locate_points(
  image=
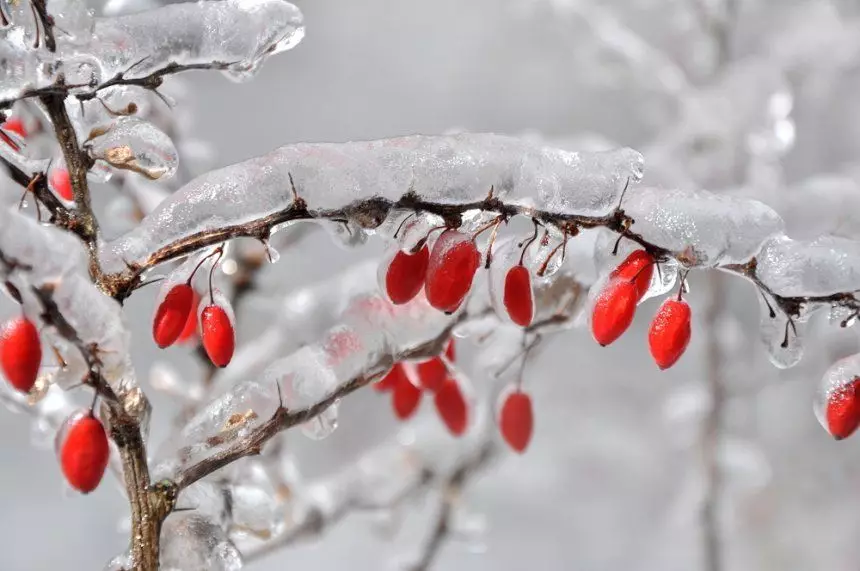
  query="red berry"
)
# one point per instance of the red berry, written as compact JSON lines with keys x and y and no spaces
{"x":451,"y":406}
{"x":20,"y":353}
{"x":450,"y":351}
{"x":432,"y":373}
{"x":15,"y":125}
{"x":61,"y":183}
{"x":190,"y":329}
{"x":405,"y":398}
{"x":172,"y":315}
{"x":613,"y":311}
{"x":390,"y":380}
{"x":638,"y":266}
{"x":451,"y":269}
{"x":405,"y":275}
{"x":516,"y":420}
{"x":843,"y":410}
{"x":218,"y":337}
{"x":518,"y":298}
{"x":670,"y":332}
{"x":84,"y":452}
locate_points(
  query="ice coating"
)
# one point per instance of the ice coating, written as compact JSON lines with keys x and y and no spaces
{"x":372,"y":334}
{"x":823,"y":266}
{"x":446,"y":169}
{"x":701,"y":228}
{"x":192,"y":541}
{"x":136,"y":145}
{"x":48,"y":252}
{"x":237,"y":33}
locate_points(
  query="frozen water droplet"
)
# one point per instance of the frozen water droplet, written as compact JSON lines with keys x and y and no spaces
{"x":506,"y":254}
{"x":137,"y":145}
{"x":120,"y":563}
{"x":544,"y":257}
{"x":782,"y":337}
{"x":663,"y":279}
{"x":272,"y":254}
{"x":322,"y":425}
{"x":416,"y":229}
{"x":345,"y":233}
{"x":842,"y":316}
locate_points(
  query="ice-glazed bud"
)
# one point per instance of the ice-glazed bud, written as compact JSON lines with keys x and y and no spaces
{"x":516,"y":420}
{"x":405,"y":273}
{"x":518,"y":297}
{"x":452,"y":266}
{"x":136,"y":145}
{"x":20,"y":353}
{"x":452,"y":407}
{"x":837,"y":399}
{"x":61,"y":183}
{"x":82,"y":447}
{"x":219,"y":338}
{"x":172,"y":315}
{"x":613,"y":311}
{"x":639,"y":267}
{"x":669,"y":333}
{"x":405,"y":398}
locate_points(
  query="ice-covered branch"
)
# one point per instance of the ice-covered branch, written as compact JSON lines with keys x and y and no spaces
{"x":232,"y":36}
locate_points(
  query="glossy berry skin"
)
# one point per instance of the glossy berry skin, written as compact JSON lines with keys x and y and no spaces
{"x":613,"y":311}
{"x":219,"y":340}
{"x":84,"y":452}
{"x":405,"y":275}
{"x":518,"y":297}
{"x":843,"y":410}
{"x":638,"y":266}
{"x":390,"y":380}
{"x":405,"y":398}
{"x":451,"y":406}
{"x":190,"y":329}
{"x":20,"y":353}
{"x":670,"y":332}
{"x":15,"y":125}
{"x":61,"y":183}
{"x":516,"y":420}
{"x":450,"y":271}
{"x":172,"y":315}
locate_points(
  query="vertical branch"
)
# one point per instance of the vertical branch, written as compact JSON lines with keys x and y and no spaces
{"x":78,"y":164}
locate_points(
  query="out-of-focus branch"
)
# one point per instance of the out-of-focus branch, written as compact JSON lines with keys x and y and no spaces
{"x":47,"y":22}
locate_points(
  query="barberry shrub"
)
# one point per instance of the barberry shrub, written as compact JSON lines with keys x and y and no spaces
{"x":495,"y":243}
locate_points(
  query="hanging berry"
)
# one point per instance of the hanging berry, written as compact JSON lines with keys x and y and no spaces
{"x":83,"y":451}
{"x":190,"y":329}
{"x":451,"y":269}
{"x":433,"y":372}
{"x":637,"y":266}
{"x":614,"y":310}
{"x":390,"y":380}
{"x":15,"y":125}
{"x":405,"y":398}
{"x":516,"y":420}
{"x":842,"y":412}
{"x":172,"y":315}
{"x":451,"y":406}
{"x":518,"y":297}
{"x":219,"y":339}
{"x":61,"y":183}
{"x":670,"y":332}
{"x":405,"y":275}
{"x":20,"y":353}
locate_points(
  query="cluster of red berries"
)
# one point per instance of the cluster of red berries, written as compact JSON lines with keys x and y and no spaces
{"x":446,"y":273}
{"x":82,"y":445}
{"x":407,"y":383}
{"x":616,"y":303}
{"x":58,"y":179}
{"x":176,"y":321}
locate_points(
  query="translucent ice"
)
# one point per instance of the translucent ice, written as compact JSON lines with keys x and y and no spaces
{"x":190,"y":542}
{"x":700,"y":228}
{"x":446,"y":169}
{"x":809,"y":268}
{"x":139,"y":146}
